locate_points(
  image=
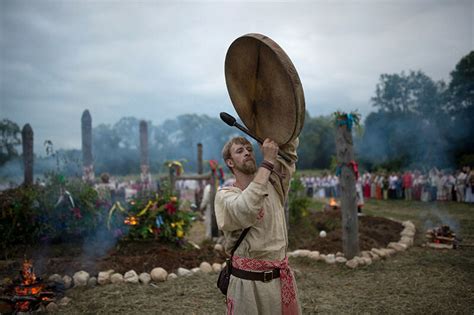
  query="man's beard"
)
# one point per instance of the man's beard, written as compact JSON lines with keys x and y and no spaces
{"x":248,"y":168}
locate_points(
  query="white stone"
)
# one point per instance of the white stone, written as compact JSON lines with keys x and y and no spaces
{"x":172,"y":276}
{"x":406,"y":240}
{"x":81,"y":278}
{"x":352,"y":263}
{"x":116,"y":278}
{"x":367,"y":260}
{"x":390,"y":251}
{"x":341,"y":260}
{"x":396,"y":246}
{"x":92,"y":282}
{"x":67,"y":281}
{"x":104,"y":277}
{"x":408,"y":224}
{"x":205,"y":267}
{"x":159,"y":274}
{"x":184,"y":272}
{"x":218,"y":247}
{"x":378,"y":252}
{"x":56,"y":278}
{"x":404,"y":246}
{"x":196,"y":270}
{"x":339,"y":254}
{"x":375,"y":257}
{"x":215,"y":267}
{"x":365,"y":253}
{"x":130,"y":277}
{"x":301,"y":253}
{"x":330,"y":259}
{"x":360,"y":260}
{"x":322,"y":234}
{"x":408,"y":232}
{"x":314,"y":255}
{"x":144,"y":278}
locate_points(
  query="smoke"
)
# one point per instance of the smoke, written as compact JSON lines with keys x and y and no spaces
{"x":406,"y":141}
{"x":435,"y":217}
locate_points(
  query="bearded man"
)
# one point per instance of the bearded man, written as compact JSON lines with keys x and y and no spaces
{"x":261,"y":280}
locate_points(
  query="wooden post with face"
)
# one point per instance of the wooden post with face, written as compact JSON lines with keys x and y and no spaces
{"x":27,"y":139}
{"x":345,"y":154}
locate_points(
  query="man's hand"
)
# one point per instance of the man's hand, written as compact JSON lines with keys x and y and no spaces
{"x":269,"y":150}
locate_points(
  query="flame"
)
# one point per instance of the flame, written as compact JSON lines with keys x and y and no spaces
{"x":131,"y":220}
{"x":332,"y":202}
{"x":27,"y":274}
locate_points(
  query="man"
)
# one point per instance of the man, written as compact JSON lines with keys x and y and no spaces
{"x":256,"y":200}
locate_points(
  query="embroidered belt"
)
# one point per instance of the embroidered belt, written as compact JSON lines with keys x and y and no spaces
{"x":288,"y":287}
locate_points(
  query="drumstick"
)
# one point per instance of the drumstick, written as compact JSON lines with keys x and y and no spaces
{"x":230,"y":120}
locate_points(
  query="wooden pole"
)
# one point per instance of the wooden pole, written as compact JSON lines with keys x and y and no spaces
{"x":345,"y":155}
{"x":87,"y":160}
{"x":27,"y":139}
{"x":199,"y":159}
{"x":214,"y":229}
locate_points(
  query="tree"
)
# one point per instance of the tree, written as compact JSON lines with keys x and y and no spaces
{"x":407,"y":130}
{"x":412,"y":93}
{"x":10,"y":139}
{"x":316,"y":143}
{"x":460,"y":109}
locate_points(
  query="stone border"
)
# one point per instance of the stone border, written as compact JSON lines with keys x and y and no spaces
{"x":366,"y":257}
{"x":158,"y":274}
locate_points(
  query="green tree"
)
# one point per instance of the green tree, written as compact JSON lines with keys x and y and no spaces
{"x":10,"y":139}
{"x":317,"y":143}
{"x":460,"y":109}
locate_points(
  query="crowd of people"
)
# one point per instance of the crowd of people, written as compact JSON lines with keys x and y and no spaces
{"x":440,"y":185}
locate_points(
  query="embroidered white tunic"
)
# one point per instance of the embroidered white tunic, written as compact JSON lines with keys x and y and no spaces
{"x":260,"y":207}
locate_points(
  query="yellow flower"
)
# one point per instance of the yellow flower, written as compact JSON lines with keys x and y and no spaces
{"x":179,"y":233}
{"x":173,"y":199}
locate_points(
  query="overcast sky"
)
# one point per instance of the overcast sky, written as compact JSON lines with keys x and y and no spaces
{"x":155,"y":60}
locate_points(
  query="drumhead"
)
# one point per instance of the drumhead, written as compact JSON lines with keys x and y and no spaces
{"x":265,"y":88}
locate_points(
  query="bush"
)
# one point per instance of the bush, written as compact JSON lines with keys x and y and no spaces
{"x":70,"y":210}
{"x":297,"y":201}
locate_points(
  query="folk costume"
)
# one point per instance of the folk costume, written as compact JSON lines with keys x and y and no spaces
{"x":263,"y":250}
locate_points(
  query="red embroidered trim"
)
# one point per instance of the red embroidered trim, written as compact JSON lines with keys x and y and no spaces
{"x":288,"y":291}
{"x":230,"y":306}
{"x":260,"y":214}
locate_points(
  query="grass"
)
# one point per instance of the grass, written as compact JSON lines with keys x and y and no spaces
{"x":418,"y":281}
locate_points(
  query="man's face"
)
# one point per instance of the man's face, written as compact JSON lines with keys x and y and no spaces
{"x":242,"y":158}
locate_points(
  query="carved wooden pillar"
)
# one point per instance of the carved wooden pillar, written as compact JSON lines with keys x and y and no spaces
{"x":345,"y":159}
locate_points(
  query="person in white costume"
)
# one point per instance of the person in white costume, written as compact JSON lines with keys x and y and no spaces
{"x":261,"y":280}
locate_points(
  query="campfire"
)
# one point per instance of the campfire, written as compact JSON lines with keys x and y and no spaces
{"x":331,"y":205}
{"x":29,"y":294}
{"x":442,"y":237}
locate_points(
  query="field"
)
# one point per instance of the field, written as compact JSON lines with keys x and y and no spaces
{"x":420,"y":280}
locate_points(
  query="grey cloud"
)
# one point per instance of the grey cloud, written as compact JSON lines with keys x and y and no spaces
{"x":160,"y":59}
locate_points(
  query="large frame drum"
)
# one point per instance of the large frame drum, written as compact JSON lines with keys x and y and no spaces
{"x":265,"y":88}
